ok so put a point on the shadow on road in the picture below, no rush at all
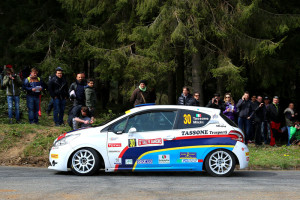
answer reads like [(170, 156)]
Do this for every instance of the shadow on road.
[(177, 174)]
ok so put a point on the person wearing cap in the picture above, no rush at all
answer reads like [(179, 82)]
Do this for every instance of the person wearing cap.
[(274, 112), (12, 82), (185, 98), (33, 85), (245, 111), (216, 102), (141, 95), (58, 89)]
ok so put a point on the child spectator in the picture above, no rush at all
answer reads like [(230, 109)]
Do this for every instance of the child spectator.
[(84, 120), (90, 96)]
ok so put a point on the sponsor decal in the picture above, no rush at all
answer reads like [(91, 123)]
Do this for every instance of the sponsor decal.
[(131, 143), (188, 155), (164, 159), (243, 149), (189, 160), (150, 142), (128, 161), (203, 132), (215, 116), (221, 125), (247, 159), (113, 138), (114, 151), (118, 161), (114, 145), (247, 153), (54, 156), (144, 161)]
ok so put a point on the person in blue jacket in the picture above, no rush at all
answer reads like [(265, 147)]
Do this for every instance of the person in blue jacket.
[(33, 85)]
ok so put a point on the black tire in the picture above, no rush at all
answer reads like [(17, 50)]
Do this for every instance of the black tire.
[(220, 162), (85, 162)]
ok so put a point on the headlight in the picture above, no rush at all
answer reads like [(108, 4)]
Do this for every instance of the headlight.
[(65, 140)]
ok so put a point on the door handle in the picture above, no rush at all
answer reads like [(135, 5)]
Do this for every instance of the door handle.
[(169, 138)]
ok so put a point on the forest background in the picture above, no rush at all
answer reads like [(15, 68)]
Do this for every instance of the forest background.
[(209, 45)]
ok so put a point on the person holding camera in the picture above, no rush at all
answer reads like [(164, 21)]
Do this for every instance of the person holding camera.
[(12, 82), (245, 111), (216, 102), (294, 137)]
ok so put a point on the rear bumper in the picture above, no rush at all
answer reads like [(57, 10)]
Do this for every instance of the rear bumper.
[(242, 153)]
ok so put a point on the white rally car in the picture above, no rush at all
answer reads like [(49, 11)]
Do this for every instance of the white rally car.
[(155, 138)]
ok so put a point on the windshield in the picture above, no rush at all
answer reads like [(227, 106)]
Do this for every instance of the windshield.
[(229, 121)]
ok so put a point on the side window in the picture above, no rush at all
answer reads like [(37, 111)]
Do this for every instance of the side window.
[(152, 121), (192, 119), (119, 126)]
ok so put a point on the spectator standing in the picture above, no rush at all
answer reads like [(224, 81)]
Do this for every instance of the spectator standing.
[(216, 102), (90, 96), (289, 115), (254, 105), (84, 119), (12, 82), (58, 89), (33, 86), (275, 118), (141, 95), (258, 118), (230, 109), (76, 90), (265, 126), (185, 98), (244, 110), (195, 101)]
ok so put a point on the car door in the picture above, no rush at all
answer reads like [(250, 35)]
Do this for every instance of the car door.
[(150, 136)]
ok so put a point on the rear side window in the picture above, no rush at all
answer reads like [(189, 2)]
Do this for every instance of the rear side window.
[(229, 121), (192, 119)]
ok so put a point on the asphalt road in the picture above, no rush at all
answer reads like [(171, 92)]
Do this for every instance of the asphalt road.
[(40, 183)]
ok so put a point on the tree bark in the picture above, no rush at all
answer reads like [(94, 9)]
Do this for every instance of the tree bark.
[(196, 79), (179, 70), (171, 89)]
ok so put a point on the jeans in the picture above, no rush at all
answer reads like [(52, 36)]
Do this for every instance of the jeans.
[(58, 110), (33, 108), (289, 133), (258, 133), (10, 100), (266, 134), (50, 106), (244, 124)]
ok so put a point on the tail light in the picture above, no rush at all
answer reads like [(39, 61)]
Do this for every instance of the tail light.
[(236, 135)]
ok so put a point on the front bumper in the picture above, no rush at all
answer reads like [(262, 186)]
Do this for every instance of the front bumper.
[(59, 157), (242, 153)]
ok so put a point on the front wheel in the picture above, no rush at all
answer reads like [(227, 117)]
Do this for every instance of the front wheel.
[(85, 162), (220, 162)]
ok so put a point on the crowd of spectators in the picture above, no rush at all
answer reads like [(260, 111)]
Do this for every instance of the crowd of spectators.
[(262, 121)]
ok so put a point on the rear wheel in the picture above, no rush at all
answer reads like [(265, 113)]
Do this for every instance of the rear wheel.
[(220, 162), (85, 162)]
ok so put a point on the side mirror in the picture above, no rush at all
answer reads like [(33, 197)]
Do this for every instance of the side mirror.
[(132, 130)]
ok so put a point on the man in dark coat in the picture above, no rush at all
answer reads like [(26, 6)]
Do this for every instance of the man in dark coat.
[(141, 95), (274, 112), (58, 89), (186, 98), (217, 103), (76, 90), (195, 101)]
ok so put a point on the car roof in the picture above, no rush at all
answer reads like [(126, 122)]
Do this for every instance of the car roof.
[(210, 111)]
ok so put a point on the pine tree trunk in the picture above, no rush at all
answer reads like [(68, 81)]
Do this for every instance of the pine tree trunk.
[(196, 80), (179, 70), (171, 89)]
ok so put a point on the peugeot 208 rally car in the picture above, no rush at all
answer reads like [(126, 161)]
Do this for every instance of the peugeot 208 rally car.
[(155, 138)]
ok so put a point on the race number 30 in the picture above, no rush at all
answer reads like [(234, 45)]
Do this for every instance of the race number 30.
[(187, 119)]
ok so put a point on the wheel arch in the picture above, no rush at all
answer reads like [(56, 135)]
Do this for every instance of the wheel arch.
[(235, 156)]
